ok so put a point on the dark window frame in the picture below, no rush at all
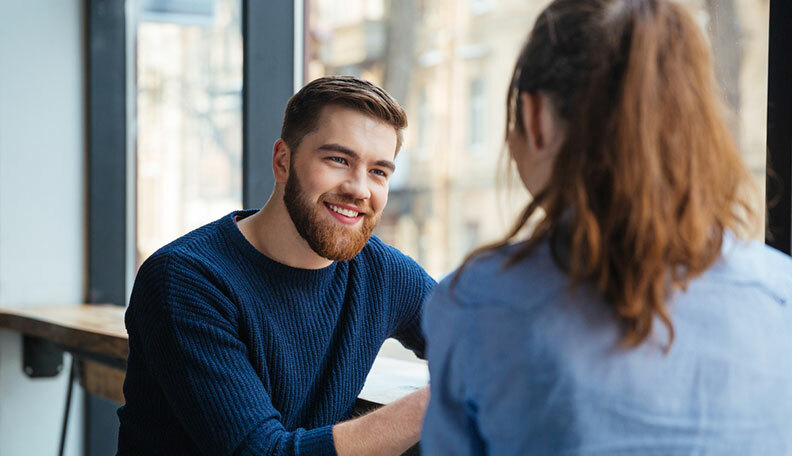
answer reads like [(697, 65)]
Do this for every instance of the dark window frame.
[(268, 75), (778, 182), (108, 187)]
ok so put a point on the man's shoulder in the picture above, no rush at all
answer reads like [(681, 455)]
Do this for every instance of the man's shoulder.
[(382, 254), (195, 250), (189, 274), (395, 271)]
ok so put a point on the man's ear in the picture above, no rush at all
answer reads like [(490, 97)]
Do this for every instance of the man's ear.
[(281, 161), (532, 104)]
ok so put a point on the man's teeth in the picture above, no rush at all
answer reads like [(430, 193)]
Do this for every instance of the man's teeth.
[(342, 211)]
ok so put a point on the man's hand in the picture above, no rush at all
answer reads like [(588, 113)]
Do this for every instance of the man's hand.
[(389, 430)]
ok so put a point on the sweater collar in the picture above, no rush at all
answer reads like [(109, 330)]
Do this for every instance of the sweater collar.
[(244, 247)]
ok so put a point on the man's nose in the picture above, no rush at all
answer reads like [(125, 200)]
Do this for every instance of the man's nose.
[(356, 185)]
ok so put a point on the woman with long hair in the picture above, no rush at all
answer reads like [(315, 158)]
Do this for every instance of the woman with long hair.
[(633, 319)]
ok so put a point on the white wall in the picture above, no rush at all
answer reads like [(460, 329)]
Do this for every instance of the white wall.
[(42, 204)]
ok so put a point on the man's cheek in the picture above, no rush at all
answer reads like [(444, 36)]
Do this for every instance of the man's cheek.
[(382, 202)]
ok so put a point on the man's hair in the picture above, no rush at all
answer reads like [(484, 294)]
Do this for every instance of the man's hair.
[(304, 107)]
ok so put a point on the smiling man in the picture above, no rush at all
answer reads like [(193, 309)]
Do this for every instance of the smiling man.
[(253, 335)]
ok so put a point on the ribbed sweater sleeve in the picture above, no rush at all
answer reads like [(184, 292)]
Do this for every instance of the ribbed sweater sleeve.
[(187, 331), (410, 287)]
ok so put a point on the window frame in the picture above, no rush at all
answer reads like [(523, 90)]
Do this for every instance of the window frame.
[(110, 187), (778, 183)]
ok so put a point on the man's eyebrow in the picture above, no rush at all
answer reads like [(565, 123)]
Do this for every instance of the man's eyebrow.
[(339, 148), (386, 164), (354, 155)]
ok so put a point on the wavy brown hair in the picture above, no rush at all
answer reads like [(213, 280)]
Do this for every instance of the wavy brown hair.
[(648, 178)]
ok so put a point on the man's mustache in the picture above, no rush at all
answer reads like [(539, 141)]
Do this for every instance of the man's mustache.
[(363, 205)]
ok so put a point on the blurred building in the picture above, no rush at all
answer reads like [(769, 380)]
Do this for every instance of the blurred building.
[(449, 62)]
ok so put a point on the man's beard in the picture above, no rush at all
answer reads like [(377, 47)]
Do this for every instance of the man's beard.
[(328, 239)]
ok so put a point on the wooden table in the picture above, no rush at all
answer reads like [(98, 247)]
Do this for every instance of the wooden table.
[(97, 335), (93, 329)]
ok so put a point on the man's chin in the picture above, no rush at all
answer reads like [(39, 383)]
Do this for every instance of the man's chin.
[(328, 237), (343, 251)]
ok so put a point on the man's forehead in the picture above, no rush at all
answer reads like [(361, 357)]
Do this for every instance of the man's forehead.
[(353, 129)]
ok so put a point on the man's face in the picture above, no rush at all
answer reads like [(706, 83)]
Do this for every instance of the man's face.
[(338, 181)]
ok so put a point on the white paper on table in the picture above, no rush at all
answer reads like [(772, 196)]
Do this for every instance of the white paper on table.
[(391, 379)]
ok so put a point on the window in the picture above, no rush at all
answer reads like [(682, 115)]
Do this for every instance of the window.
[(189, 111), (452, 60), (739, 34), (433, 62)]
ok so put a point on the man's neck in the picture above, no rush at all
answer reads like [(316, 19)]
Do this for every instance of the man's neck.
[(272, 232)]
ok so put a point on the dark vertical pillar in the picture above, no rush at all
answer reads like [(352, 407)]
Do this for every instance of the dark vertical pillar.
[(268, 82), (107, 158), (779, 128), (107, 150)]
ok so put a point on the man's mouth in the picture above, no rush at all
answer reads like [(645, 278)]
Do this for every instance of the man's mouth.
[(344, 214)]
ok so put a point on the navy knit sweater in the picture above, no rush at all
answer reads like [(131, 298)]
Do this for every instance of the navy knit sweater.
[(231, 352)]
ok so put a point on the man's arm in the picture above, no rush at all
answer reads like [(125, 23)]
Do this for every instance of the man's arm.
[(389, 430), (413, 288), (185, 333)]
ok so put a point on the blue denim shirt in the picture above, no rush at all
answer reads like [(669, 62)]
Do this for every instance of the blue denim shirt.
[(522, 363)]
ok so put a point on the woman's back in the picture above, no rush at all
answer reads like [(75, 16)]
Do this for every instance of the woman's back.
[(533, 365), (648, 328)]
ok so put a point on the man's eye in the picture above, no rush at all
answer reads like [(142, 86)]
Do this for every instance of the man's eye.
[(339, 160), (379, 172)]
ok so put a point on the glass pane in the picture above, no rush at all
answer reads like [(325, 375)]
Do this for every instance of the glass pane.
[(739, 34), (189, 117), (448, 62)]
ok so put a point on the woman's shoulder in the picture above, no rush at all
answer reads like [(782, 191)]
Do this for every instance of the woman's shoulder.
[(751, 261), (490, 279)]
